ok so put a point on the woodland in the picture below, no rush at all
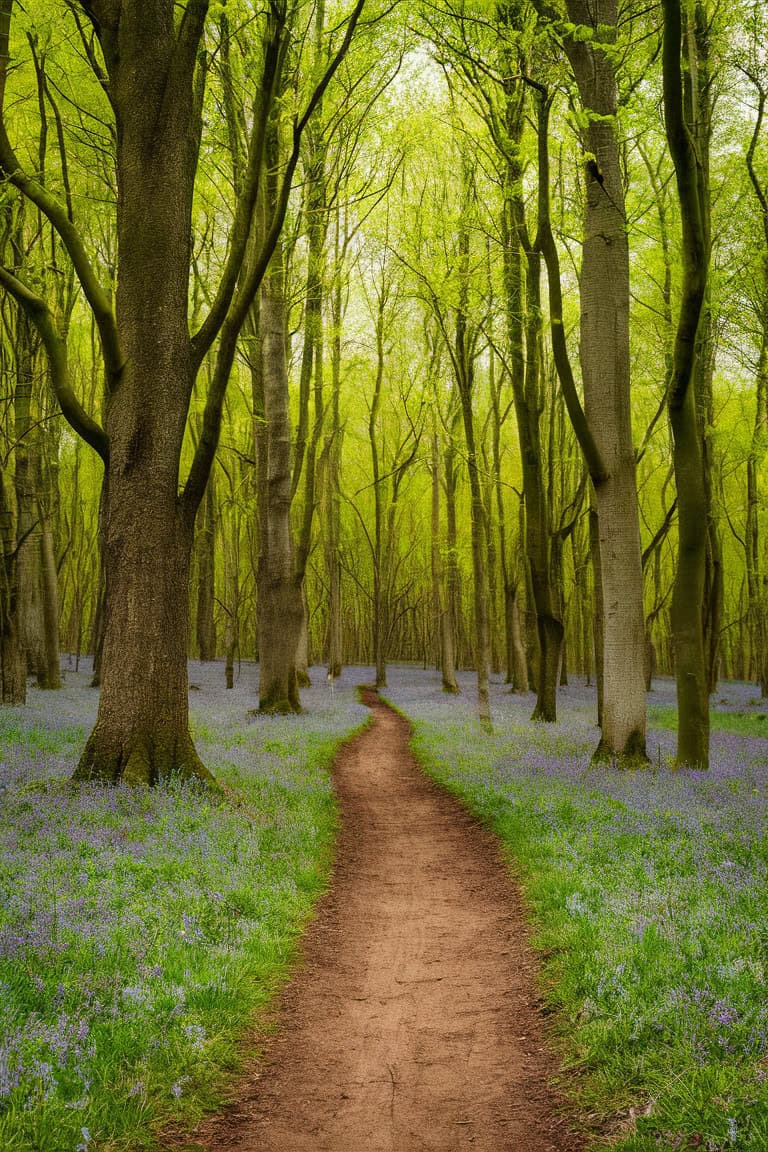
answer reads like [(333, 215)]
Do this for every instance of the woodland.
[(418, 343), (282, 287)]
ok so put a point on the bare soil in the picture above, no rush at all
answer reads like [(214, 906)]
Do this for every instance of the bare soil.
[(413, 1023)]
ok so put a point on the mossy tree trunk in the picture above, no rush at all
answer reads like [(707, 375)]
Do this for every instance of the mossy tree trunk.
[(688, 594), (758, 617)]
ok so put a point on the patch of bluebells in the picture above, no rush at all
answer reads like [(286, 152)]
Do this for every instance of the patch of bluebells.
[(650, 893), (139, 928)]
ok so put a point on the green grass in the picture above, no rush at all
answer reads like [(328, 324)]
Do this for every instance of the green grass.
[(142, 932), (742, 723), (648, 894)]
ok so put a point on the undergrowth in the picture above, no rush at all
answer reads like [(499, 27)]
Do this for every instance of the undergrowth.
[(142, 931), (648, 891)]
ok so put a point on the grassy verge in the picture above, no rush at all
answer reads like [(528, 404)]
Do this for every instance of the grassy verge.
[(741, 722), (649, 898), (140, 932)]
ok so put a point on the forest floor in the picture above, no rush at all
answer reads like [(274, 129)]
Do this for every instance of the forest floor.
[(145, 935), (413, 1023)]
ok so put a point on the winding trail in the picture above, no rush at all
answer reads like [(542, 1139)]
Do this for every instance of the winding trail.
[(413, 1023)]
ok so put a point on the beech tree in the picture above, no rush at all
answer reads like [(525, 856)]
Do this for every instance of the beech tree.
[(147, 59), (688, 597), (192, 193)]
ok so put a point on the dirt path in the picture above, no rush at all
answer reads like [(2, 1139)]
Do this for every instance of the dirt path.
[(412, 1024)]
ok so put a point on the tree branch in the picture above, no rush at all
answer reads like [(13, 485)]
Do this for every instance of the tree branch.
[(58, 216), (73, 411), (246, 293)]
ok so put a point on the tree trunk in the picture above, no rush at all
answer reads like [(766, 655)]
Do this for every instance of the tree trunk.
[(332, 455), (448, 633), (142, 728), (13, 665), (380, 623), (605, 364), (758, 623), (229, 653), (280, 606), (526, 385), (206, 574), (688, 595), (444, 624), (303, 646), (482, 643), (515, 648), (50, 599), (312, 368), (26, 482), (692, 509), (463, 361), (599, 615), (97, 631)]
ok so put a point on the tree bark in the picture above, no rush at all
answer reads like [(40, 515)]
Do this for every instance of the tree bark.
[(758, 623), (605, 364), (13, 665), (27, 482), (688, 595), (599, 616), (206, 575), (525, 367), (50, 602), (280, 606), (464, 364), (332, 457), (516, 649), (142, 728), (448, 635), (444, 624)]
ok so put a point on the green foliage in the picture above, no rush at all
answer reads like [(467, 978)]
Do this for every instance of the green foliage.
[(141, 932), (649, 899)]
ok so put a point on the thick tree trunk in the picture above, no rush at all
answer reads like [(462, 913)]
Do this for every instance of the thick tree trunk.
[(605, 367), (688, 595), (142, 728)]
